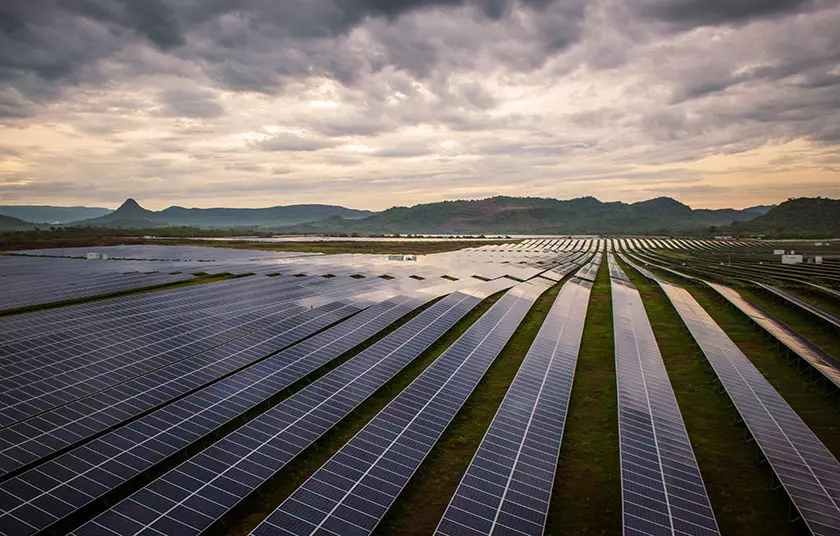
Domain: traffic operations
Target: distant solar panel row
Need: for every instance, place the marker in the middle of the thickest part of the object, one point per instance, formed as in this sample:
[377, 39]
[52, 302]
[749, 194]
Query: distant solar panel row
[38, 324]
[191, 497]
[806, 469]
[662, 489]
[353, 490]
[507, 487]
[80, 286]
[37, 365]
[130, 316]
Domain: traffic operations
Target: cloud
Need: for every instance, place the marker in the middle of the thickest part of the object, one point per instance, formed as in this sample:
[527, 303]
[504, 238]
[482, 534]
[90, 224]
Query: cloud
[195, 103]
[409, 101]
[292, 142]
[692, 13]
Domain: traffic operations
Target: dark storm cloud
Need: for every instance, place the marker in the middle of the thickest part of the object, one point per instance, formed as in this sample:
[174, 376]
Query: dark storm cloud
[190, 103]
[691, 13]
[56, 40]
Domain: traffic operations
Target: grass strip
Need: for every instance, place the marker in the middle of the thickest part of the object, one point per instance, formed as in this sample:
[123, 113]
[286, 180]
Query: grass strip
[586, 499]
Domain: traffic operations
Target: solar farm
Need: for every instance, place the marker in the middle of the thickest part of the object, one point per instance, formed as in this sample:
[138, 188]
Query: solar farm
[636, 386]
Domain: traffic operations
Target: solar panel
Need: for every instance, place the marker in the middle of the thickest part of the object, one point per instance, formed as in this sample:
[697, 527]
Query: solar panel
[46, 357]
[35, 398]
[234, 466]
[27, 442]
[127, 451]
[819, 312]
[804, 466]
[353, 490]
[812, 354]
[512, 472]
[662, 488]
[37, 334]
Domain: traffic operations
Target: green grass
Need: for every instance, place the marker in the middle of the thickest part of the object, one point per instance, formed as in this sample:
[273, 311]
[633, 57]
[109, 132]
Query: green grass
[251, 512]
[423, 502]
[738, 487]
[586, 499]
[199, 279]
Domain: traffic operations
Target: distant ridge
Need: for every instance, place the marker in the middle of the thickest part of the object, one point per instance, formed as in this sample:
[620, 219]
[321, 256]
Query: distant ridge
[8, 223]
[815, 217]
[131, 214]
[535, 215]
[50, 214]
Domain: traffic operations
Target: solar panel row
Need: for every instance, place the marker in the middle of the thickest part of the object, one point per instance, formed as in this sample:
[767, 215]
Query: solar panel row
[83, 285]
[38, 397]
[49, 333]
[507, 486]
[195, 494]
[31, 440]
[662, 489]
[55, 488]
[47, 361]
[353, 490]
[14, 329]
[804, 466]
[821, 361]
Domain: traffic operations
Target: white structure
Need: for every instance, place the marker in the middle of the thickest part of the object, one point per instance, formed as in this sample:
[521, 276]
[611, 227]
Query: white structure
[97, 257]
[792, 259]
[402, 257]
[778, 252]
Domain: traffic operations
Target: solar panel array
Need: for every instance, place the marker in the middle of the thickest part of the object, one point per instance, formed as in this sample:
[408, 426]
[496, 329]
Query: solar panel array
[31, 440]
[662, 488]
[99, 370]
[804, 466]
[351, 492]
[819, 312]
[507, 487]
[195, 494]
[41, 496]
[821, 361]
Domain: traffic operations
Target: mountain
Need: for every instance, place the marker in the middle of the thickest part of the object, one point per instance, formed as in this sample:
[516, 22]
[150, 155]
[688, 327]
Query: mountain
[131, 214]
[761, 209]
[534, 215]
[8, 223]
[812, 217]
[50, 214]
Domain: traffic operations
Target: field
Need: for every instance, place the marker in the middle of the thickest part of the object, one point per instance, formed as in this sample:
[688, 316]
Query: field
[284, 390]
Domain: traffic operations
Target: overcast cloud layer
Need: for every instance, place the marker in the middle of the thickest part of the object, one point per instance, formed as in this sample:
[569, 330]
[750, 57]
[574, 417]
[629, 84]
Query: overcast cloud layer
[372, 103]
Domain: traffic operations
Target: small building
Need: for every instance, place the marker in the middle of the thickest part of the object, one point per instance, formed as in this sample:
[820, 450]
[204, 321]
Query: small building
[97, 257]
[778, 252]
[792, 259]
[402, 257]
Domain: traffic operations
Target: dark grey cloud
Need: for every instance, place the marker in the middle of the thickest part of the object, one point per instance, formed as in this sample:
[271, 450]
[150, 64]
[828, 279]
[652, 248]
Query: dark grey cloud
[196, 103]
[692, 13]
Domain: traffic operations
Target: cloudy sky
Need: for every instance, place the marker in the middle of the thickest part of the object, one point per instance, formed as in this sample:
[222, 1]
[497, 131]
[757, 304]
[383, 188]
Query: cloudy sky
[372, 103]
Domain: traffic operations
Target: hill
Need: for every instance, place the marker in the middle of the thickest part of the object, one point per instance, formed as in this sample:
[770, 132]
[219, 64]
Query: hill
[8, 223]
[804, 217]
[131, 214]
[534, 215]
[50, 214]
